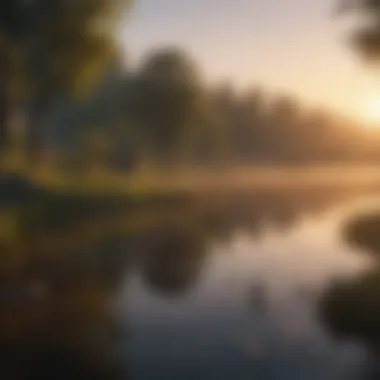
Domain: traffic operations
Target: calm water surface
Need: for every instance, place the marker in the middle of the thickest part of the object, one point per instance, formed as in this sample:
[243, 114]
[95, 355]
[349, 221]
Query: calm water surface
[251, 310]
[222, 290]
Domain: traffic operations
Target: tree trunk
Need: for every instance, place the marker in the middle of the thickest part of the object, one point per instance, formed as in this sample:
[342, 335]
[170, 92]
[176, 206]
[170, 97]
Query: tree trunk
[4, 110]
[36, 130]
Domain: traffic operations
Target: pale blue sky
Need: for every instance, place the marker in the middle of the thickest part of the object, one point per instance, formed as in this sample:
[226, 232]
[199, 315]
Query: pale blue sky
[294, 46]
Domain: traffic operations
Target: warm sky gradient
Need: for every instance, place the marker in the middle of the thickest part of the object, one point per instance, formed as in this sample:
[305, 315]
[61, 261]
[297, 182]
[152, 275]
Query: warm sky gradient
[291, 45]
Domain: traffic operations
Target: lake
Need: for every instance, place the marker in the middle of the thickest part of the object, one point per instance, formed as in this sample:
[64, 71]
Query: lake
[229, 287]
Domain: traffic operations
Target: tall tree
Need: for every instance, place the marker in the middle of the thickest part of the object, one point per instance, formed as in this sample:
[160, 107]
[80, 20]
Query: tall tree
[168, 100]
[63, 47]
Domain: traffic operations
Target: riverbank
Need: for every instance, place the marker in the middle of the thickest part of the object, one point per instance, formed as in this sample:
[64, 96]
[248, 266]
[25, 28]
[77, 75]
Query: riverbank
[47, 199]
[148, 182]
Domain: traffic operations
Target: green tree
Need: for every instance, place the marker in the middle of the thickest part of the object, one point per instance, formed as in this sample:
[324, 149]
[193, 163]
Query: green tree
[169, 98]
[60, 48]
[224, 103]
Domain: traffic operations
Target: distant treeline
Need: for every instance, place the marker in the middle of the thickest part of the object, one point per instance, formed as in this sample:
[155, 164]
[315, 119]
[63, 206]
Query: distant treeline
[54, 54]
[162, 112]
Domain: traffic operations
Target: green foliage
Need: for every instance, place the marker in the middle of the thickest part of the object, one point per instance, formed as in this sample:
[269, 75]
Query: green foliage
[167, 119]
[62, 42]
[50, 49]
[169, 95]
[12, 67]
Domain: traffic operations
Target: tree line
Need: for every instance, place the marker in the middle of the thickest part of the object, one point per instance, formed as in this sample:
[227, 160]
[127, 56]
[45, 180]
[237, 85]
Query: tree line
[78, 100]
[163, 112]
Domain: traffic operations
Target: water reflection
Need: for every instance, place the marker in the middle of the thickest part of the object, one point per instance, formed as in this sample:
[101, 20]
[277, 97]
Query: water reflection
[227, 285]
[173, 260]
[364, 232]
[56, 321]
[257, 276]
[350, 307]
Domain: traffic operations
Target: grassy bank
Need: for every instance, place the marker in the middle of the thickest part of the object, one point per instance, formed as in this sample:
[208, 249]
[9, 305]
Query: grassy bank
[65, 201]
[148, 182]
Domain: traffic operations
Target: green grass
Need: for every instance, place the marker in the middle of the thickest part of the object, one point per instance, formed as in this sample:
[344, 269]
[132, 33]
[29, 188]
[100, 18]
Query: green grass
[69, 201]
[185, 179]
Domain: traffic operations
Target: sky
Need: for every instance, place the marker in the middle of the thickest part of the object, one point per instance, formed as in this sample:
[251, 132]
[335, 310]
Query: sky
[294, 47]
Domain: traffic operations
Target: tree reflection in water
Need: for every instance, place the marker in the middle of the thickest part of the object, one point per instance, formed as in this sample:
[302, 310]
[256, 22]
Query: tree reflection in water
[57, 319]
[175, 249]
[350, 308]
[174, 259]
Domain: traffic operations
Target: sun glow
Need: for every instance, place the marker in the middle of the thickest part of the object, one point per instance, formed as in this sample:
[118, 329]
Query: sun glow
[372, 113]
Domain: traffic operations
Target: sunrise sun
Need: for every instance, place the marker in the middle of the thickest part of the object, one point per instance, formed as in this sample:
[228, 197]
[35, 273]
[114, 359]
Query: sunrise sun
[372, 112]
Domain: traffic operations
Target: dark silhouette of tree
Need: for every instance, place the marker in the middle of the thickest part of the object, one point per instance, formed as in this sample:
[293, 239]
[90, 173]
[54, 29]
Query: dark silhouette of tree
[168, 100]
[350, 307]
[173, 262]
[365, 36]
[363, 232]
